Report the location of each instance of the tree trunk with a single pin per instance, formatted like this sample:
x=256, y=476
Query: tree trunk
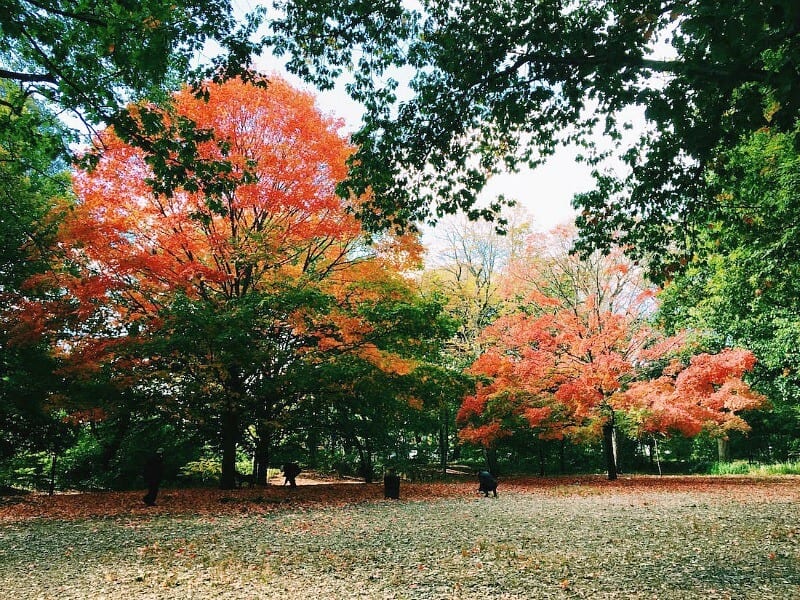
x=312, y=443
x=365, y=467
x=444, y=439
x=230, y=428
x=230, y=433
x=52, y=489
x=261, y=458
x=490, y=455
x=658, y=455
x=615, y=446
x=608, y=448
x=562, y=463
x=110, y=449
x=723, y=450
x=540, y=444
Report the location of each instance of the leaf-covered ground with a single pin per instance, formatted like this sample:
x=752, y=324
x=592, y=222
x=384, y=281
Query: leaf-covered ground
x=542, y=538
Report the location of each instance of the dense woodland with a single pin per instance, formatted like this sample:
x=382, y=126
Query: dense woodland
x=194, y=257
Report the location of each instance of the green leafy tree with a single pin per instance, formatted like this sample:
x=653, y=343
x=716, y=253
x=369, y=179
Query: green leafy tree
x=34, y=192
x=495, y=86
x=95, y=57
x=33, y=179
x=390, y=389
x=741, y=286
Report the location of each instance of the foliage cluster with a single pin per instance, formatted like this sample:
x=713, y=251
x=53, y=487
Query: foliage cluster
x=214, y=275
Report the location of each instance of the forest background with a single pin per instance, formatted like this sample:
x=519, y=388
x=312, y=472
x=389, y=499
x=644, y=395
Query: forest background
x=222, y=274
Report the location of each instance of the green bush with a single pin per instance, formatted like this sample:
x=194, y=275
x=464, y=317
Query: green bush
x=204, y=470
x=207, y=469
x=26, y=471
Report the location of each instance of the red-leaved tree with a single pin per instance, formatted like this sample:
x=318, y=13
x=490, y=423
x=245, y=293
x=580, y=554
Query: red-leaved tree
x=565, y=361
x=209, y=300
x=706, y=395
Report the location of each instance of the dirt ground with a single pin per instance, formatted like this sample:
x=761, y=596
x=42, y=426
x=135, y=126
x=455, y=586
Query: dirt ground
x=642, y=538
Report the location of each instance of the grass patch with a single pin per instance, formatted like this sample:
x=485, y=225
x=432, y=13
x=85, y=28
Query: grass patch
x=743, y=467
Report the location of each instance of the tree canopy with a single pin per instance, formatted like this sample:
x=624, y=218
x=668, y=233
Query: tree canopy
x=95, y=57
x=498, y=85
x=223, y=256
x=214, y=302
x=579, y=349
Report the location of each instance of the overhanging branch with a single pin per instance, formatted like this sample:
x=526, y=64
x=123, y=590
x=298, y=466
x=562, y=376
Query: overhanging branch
x=28, y=77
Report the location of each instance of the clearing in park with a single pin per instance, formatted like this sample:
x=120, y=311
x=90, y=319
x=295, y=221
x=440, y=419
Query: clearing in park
x=638, y=537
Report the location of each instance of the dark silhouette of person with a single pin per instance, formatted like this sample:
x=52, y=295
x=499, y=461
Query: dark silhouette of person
x=487, y=483
x=290, y=471
x=153, y=471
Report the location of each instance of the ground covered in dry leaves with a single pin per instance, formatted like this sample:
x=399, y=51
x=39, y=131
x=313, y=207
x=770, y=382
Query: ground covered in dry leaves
x=639, y=537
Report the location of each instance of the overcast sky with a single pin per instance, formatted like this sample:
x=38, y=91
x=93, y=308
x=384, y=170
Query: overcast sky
x=546, y=193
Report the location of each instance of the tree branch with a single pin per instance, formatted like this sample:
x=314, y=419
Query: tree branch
x=85, y=17
x=28, y=77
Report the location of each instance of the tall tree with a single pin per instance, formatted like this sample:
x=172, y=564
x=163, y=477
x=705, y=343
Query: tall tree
x=740, y=285
x=387, y=390
x=563, y=364
x=34, y=192
x=466, y=269
x=230, y=288
x=559, y=362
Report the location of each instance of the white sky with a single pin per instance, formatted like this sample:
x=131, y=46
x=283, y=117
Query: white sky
x=545, y=193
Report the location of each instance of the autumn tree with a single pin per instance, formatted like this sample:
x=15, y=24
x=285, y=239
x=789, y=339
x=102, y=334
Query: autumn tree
x=559, y=362
x=563, y=364
x=707, y=395
x=215, y=296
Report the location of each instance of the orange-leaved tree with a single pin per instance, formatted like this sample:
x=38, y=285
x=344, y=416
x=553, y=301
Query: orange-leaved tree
x=559, y=362
x=565, y=363
x=707, y=395
x=217, y=296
